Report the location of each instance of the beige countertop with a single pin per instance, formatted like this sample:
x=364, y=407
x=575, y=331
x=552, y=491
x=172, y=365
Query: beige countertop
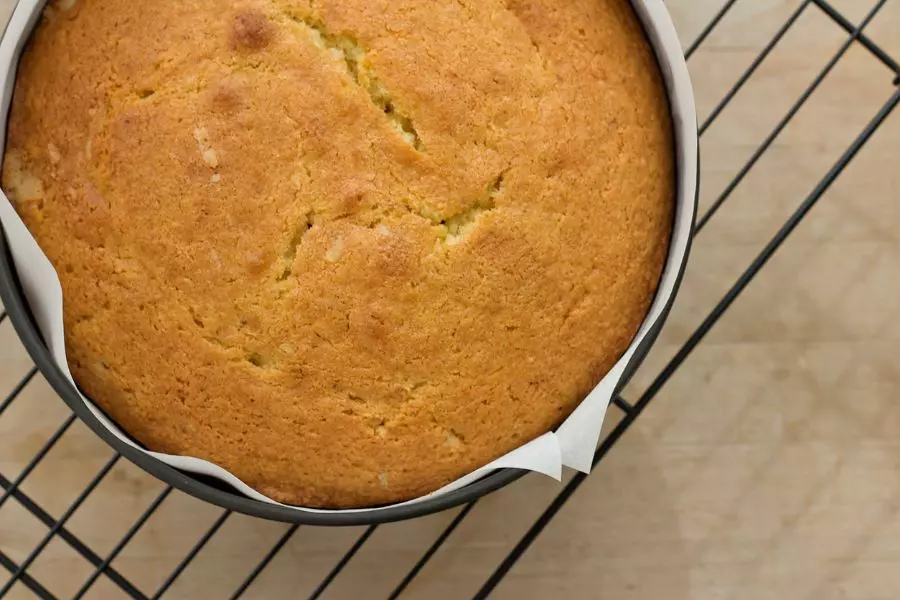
x=768, y=467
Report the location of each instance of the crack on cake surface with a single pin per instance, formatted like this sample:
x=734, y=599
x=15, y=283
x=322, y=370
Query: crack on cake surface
x=514, y=8
x=295, y=242
x=457, y=228
x=238, y=352
x=348, y=50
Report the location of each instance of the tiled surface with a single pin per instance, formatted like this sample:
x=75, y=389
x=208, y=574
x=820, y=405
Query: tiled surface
x=767, y=468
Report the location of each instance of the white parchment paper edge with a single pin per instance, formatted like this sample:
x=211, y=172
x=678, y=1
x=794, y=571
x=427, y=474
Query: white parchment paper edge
x=572, y=445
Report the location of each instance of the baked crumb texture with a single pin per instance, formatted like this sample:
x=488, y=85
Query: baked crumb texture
x=349, y=250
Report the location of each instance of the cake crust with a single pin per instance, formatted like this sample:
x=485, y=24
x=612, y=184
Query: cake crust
x=349, y=250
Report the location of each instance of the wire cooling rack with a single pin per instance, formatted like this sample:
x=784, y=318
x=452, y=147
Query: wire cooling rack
x=21, y=575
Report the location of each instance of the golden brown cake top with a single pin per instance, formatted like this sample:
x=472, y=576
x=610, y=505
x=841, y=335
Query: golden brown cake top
x=349, y=250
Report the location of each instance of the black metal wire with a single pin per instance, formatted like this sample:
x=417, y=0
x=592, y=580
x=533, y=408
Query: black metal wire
x=866, y=42
x=288, y=534
x=122, y=543
x=62, y=521
x=709, y=28
x=729, y=96
x=68, y=537
x=191, y=555
x=36, y=460
x=623, y=404
x=103, y=566
x=631, y=413
x=343, y=562
x=17, y=390
x=792, y=112
x=620, y=402
x=756, y=266
x=26, y=579
x=432, y=550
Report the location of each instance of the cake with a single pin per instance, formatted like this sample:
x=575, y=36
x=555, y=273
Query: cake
x=348, y=250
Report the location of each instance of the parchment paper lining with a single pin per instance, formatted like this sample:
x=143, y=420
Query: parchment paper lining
x=572, y=445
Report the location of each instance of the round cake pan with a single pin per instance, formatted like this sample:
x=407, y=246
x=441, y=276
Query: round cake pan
x=661, y=35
